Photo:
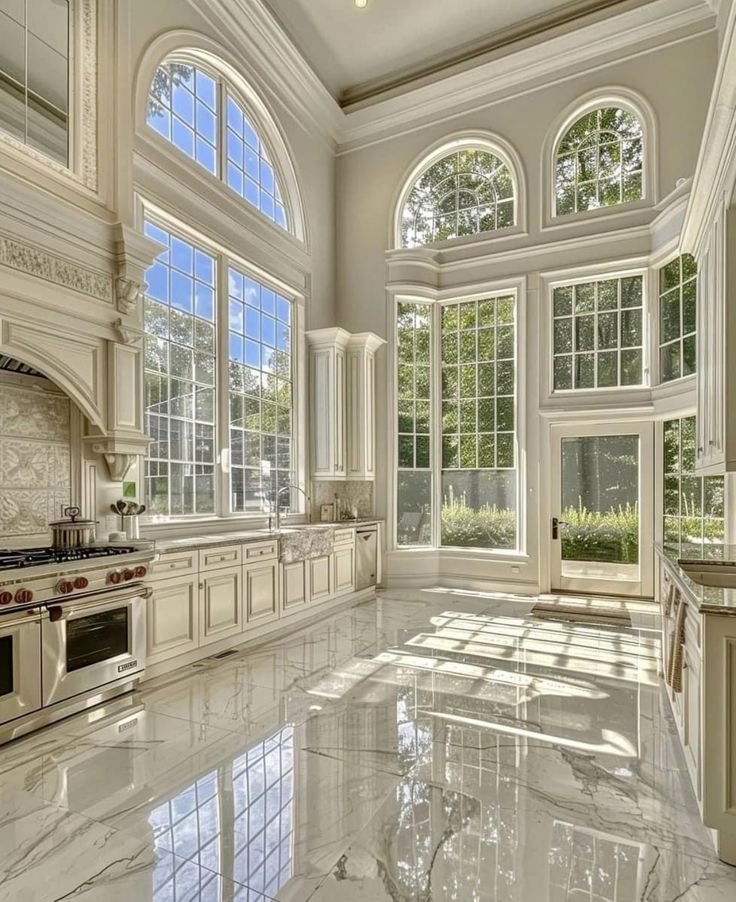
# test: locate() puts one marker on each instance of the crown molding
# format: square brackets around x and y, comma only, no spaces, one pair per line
[715,170]
[254,33]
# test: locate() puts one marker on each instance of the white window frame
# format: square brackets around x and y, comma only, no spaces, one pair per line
[465,140]
[513,287]
[279,156]
[82,139]
[633,103]
[226,257]
[592,397]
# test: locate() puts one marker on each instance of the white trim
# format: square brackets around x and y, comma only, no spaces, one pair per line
[625,98]
[199,50]
[471,139]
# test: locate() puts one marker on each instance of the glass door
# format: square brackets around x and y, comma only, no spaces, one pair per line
[602,509]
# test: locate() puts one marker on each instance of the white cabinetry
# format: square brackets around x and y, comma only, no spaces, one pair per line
[261,588]
[361,395]
[342,403]
[172,615]
[294,577]
[320,577]
[343,562]
[327,402]
[221,604]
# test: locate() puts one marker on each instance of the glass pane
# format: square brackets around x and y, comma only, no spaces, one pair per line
[600,505]
[96,638]
[34,74]
[677,318]
[479,509]
[414,507]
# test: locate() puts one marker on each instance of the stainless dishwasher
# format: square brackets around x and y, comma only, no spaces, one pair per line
[366,540]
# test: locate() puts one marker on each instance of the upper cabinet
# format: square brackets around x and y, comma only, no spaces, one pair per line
[716,378]
[342,403]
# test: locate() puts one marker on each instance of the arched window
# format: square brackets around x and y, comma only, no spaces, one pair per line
[187,106]
[599,161]
[467,191]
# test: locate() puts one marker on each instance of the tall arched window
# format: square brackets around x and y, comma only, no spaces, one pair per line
[465,192]
[599,161]
[200,114]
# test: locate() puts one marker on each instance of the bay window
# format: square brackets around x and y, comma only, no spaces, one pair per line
[214,331]
[677,318]
[456,419]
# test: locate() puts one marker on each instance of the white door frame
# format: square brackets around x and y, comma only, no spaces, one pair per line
[644,584]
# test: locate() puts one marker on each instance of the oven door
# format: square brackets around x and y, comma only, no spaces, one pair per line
[91,642]
[20,664]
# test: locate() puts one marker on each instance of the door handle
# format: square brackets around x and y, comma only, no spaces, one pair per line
[556,523]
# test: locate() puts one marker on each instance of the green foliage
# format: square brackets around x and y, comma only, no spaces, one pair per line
[594,536]
[487,527]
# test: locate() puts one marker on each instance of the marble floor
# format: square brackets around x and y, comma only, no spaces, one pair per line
[431,746]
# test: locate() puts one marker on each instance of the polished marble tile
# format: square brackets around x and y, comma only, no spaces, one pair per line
[434,746]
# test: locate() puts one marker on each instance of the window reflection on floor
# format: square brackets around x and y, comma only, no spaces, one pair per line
[588,867]
[246,833]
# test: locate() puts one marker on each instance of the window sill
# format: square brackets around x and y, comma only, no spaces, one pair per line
[494,554]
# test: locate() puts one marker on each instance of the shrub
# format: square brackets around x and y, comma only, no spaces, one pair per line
[486,527]
[595,536]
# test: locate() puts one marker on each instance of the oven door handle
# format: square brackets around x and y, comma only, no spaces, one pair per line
[58,612]
[30,615]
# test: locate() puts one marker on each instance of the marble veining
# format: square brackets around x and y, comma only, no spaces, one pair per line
[430,746]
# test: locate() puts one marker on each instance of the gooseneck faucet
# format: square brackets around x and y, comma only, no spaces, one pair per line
[288,488]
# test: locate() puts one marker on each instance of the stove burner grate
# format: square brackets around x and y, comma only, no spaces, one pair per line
[18,558]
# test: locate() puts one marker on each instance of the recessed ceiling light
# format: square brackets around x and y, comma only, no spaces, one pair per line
[361,4]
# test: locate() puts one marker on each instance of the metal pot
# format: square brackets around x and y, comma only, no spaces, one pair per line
[72,533]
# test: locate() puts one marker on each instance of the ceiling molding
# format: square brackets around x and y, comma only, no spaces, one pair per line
[644,27]
[460,58]
[249,28]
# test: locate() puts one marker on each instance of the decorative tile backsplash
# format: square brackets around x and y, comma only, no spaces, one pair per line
[355,493]
[35,456]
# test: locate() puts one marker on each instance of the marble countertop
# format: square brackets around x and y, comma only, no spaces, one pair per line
[709,599]
[206,540]
[706,553]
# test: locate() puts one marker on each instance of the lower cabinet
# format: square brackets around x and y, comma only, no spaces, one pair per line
[261,591]
[221,605]
[294,589]
[172,615]
[320,577]
[343,577]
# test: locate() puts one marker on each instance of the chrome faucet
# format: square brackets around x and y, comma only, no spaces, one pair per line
[288,488]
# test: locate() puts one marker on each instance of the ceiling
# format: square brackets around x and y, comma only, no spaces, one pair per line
[360,53]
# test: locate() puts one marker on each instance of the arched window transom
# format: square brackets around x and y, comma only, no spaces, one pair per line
[464,193]
[186,106]
[599,162]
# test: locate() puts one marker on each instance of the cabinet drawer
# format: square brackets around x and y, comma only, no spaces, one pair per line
[258,551]
[344,537]
[217,558]
[180,563]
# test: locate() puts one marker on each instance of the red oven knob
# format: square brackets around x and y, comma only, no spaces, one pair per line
[115,577]
[128,575]
[6,597]
[23,596]
[140,572]
[81,582]
[65,587]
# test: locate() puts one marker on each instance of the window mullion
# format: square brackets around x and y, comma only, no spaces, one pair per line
[435,425]
[222,407]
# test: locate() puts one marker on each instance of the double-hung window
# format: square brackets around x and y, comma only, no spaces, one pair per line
[457,475]
[219,382]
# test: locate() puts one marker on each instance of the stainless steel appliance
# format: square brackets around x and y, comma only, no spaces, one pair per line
[72,532]
[72,631]
[366,549]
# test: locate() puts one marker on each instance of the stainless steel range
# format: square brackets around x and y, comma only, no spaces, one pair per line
[72,630]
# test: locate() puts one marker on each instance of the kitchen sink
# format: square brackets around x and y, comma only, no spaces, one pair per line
[298,543]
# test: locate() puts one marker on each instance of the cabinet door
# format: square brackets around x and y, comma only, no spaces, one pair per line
[294,585]
[319,577]
[691,717]
[261,591]
[344,570]
[172,614]
[221,605]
